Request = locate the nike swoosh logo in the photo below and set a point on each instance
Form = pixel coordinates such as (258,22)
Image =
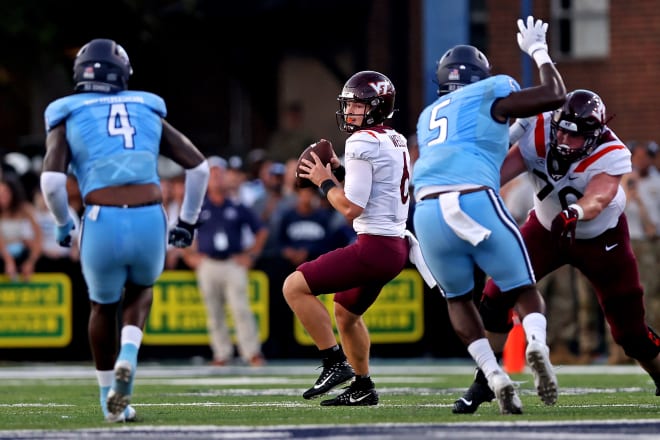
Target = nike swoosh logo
(319,385)
(609,248)
(572,177)
(467,402)
(352,400)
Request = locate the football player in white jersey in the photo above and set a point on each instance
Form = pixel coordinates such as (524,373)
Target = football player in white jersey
(576,162)
(375,199)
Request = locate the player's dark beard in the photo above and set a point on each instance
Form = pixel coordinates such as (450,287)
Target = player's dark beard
(557,166)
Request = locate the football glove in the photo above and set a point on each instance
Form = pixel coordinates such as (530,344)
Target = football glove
(532,36)
(182,234)
(63,233)
(564,224)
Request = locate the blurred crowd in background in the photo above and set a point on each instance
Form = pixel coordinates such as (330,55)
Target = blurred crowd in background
(302,226)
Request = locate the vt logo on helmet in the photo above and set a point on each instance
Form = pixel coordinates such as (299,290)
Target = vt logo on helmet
(373,89)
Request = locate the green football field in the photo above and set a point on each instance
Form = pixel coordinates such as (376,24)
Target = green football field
(64,398)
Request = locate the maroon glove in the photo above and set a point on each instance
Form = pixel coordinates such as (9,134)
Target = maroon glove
(565,223)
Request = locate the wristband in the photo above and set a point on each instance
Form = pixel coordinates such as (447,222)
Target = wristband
(326,186)
(578,209)
(541,57)
(339,173)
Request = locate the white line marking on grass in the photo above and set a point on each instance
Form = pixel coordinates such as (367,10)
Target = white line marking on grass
(225,405)
(33,405)
(380,367)
(274,380)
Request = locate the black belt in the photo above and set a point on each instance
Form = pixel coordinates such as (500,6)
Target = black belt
(463,191)
(139,205)
(220,258)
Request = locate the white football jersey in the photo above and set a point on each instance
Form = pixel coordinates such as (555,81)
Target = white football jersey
(610,156)
(377,179)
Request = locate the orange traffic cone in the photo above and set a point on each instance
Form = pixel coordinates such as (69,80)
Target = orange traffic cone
(513,356)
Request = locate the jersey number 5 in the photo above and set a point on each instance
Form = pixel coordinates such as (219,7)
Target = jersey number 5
(439,123)
(119,124)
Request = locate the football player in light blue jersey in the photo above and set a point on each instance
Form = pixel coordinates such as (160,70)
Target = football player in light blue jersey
(460,219)
(111,138)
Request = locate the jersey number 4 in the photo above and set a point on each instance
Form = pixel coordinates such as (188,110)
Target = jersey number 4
(119,124)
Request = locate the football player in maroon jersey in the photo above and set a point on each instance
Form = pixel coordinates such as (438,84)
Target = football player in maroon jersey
(577,163)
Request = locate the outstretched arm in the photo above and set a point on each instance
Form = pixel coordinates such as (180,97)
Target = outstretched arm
(548,96)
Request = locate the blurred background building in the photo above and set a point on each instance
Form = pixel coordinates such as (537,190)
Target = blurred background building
(228,69)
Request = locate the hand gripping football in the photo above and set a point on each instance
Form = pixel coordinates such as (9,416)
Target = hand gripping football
(323,149)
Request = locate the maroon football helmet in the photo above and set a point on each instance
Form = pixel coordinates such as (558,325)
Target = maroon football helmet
(583,113)
(371,88)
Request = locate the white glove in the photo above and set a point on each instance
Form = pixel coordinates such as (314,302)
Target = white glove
(532,37)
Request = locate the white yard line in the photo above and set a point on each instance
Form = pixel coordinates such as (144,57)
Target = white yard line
(389,367)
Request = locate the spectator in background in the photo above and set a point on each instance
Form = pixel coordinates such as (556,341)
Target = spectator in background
(291,138)
(304,229)
(8,265)
(19,228)
(289,182)
(287,200)
(221,257)
(642,187)
(236,177)
(23,168)
(273,181)
(251,186)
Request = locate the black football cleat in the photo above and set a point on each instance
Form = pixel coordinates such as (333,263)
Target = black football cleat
(355,395)
(333,375)
(478,393)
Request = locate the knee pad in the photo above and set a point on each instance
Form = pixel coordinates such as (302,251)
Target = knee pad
(642,349)
(496,314)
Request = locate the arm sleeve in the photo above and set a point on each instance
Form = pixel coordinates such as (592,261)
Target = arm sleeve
(196,181)
(357,186)
(53,187)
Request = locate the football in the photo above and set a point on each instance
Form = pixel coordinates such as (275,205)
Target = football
(323,149)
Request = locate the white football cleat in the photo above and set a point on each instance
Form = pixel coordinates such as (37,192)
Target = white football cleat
(545,380)
(505,393)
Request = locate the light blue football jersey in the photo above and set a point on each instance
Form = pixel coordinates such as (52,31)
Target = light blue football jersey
(114,138)
(459,141)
